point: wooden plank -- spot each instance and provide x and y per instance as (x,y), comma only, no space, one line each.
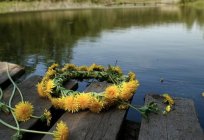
(180,124)
(15,71)
(86,125)
(28,88)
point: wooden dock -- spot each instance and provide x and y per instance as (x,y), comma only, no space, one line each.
(181,123)
(82,125)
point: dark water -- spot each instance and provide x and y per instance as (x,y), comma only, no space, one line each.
(157,43)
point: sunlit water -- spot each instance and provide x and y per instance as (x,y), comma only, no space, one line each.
(156,43)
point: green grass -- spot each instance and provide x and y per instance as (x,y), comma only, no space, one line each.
(199,4)
(12,6)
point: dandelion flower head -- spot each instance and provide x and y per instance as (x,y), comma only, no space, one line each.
(71,104)
(23,111)
(61,132)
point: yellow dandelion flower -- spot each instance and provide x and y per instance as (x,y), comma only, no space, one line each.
(125,94)
(23,111)
(50,72)
(168,108)
(71,104)
(47,116)
(96,67)
(132,76)
(40,90)
(131,85)
(83,100)
(53,66)
(127,90)
(62,131)
(111,92)
(69,67)
(57,102)
(96,105)
(116,69)
(45,78)
(83,68)
(49,86)
(168,99)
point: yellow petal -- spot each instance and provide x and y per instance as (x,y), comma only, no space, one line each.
(168,108)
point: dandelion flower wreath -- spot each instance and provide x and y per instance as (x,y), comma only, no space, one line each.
(122,89)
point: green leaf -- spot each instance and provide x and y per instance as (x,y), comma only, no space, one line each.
(4,108)
(17,136)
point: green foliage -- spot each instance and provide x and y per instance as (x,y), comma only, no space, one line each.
(199,4)
(187,1)
(151,107)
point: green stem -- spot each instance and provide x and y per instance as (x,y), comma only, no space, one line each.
(16,121)
(13,82)
(17,124)
(1,94)
(36,117)
(133,107)
(10,107)
(25,130)
(11,98)
(130,105)
(112,80)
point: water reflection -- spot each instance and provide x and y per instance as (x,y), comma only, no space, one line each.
(162,42)
(25,37)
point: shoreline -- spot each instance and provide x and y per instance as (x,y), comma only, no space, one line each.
(22,7)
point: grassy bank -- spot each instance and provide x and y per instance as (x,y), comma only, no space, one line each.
(41,5)
(19,6)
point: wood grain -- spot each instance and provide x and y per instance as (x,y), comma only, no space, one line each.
(14,70)
(180,124)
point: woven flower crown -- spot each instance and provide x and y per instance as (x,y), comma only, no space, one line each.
(122,89)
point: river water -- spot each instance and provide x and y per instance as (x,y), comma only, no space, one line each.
(156,42)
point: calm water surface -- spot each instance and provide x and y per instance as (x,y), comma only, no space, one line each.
(157,43)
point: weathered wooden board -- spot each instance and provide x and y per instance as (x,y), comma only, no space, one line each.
(28,88)
(180,124)
(15,71)
(86,125)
